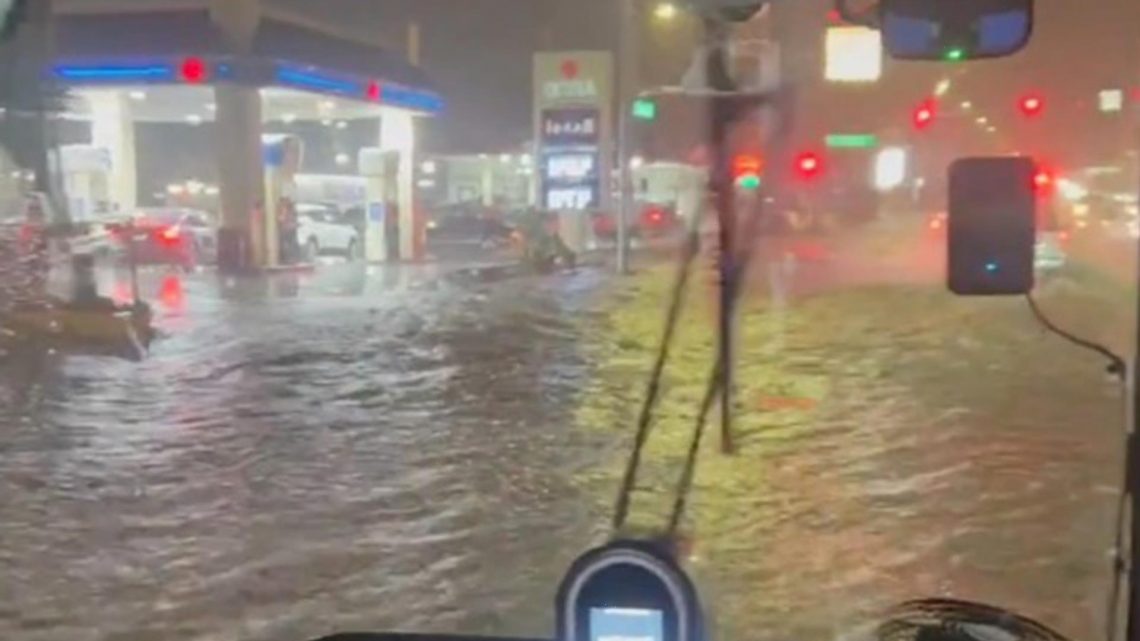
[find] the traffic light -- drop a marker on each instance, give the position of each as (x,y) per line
(992,226)
(923,115)
(808,165)
(746,170)
(1031,105)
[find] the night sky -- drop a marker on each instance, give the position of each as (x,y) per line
(479,53)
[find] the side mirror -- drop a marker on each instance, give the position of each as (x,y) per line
(955,30)
(992,226)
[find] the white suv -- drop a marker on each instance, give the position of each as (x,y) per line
(321,230)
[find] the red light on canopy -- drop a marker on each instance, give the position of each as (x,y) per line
(193,71)
(374,91)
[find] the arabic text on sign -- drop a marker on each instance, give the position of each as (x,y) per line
(564,89)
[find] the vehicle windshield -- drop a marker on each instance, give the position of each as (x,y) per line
(391,378)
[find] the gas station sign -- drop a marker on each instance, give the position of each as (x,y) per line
(571,126)
(573,123)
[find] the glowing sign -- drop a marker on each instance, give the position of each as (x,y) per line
(574,126)
(318,81)
(851,141)
(571,198)
(853,54)
(1110,100)
(890,168)
(411,99)
(571,167)
(115,73)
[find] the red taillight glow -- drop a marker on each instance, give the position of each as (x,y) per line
(1043,181)
(170,235)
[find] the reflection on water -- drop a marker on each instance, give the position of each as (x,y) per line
(385,451)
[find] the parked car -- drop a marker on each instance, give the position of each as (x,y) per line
(321,229)
(652,220)
(168,236)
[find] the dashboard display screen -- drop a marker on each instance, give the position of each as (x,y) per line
(626,624)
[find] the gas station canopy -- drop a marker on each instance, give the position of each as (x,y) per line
(183,50)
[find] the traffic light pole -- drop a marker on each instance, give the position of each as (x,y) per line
(628,48)
(722,114)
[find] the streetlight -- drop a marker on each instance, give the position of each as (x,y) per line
(942,87)
(665,11)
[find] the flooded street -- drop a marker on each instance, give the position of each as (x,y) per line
(285,467)
(347,451)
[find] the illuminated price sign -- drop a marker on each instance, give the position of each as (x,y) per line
(572,198)
(571,167)
(567,127)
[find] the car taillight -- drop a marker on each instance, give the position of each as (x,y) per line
(170,235)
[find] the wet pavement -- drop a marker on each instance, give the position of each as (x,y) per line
(423,450)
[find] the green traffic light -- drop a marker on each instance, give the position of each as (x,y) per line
(750,182)
(955,54)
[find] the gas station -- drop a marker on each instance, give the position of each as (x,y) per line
(232,69)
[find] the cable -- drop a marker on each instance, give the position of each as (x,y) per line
(1116,364)
(685,482)
(653,389)
(716,380)
(1119,368)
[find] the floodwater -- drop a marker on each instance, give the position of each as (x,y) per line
(353,452)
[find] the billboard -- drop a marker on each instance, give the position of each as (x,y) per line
(853,54)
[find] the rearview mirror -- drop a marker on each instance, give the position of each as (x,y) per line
(992,226)
(954,30)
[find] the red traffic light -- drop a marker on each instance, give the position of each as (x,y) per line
(1031,105)
(924,115)
(808,165)
(746,170)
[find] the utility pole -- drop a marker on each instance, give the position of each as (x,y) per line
(37,41)
(628,79)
